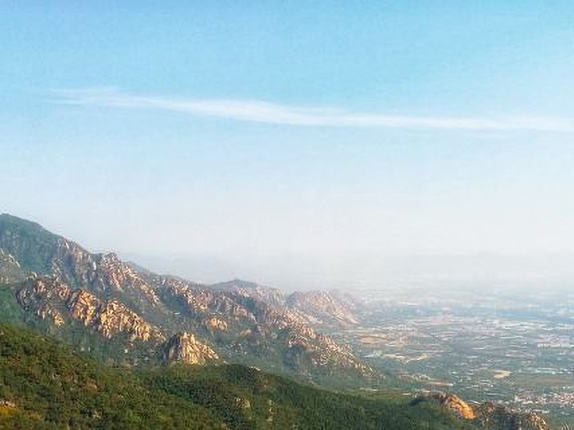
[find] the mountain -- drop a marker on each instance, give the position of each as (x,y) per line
(324,307)
(316,308)
(127,315)
(272,296)
(46,386)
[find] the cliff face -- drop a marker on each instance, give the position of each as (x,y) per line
(454,403)
(493,416)
(214,323)
(60,283)
(488,415)
(184,348)
(51,298)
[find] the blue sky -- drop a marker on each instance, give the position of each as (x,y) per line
(257,135)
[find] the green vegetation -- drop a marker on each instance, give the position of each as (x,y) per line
(44,385)
(10,309)
(31,244)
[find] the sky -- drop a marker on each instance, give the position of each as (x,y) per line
(302,144)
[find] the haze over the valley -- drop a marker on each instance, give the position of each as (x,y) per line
(348,145)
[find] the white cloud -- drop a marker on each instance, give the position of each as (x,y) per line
(272,113)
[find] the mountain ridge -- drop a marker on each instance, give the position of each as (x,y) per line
(44,385)
(61,284)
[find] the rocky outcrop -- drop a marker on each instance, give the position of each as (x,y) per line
(100,273)
(323,306)
(500,417)
(45,298)
(113,317)
(321,350)
(215,323)
(184,348)
(488,415)
(454,403)
(7,404)
(259,323)
(199,301)
(51,298)
(6,408)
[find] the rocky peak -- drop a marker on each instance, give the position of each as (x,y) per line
(488,415)
(184,348)
(454,403)
(36,250)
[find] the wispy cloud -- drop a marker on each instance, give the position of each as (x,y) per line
(272,113)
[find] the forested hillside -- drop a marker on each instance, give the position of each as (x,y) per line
(44,385)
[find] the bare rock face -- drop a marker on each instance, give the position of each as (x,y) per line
(242,403)
(36,250)
(184,348)
(200,301)
(255,323)
(215,323)
(99,272)
(45,298)
(114,317)
(51,298)
(322,306)
(488,415)
(6,407)
(7,404)
(461,408)
(501,417)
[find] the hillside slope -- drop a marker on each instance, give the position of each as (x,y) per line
(44,385)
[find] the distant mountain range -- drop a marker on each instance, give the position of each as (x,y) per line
(125,314)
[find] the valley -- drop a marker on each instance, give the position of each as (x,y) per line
(515,353)
(511,360)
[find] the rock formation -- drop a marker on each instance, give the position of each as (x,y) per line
(488,415)
(184,348)
(322,306)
